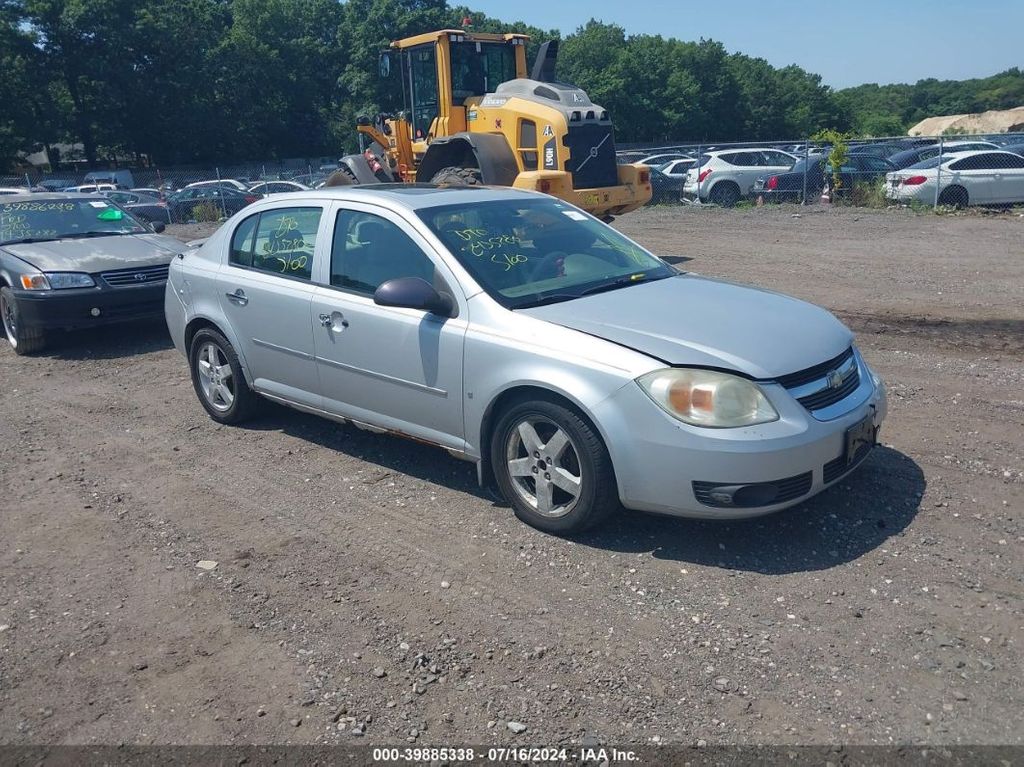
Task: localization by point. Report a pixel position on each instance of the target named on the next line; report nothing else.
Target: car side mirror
(413, 293)
(158, 226)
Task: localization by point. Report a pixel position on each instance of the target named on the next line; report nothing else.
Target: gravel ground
(365, 590)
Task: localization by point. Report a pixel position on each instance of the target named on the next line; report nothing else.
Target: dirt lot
(367, 591)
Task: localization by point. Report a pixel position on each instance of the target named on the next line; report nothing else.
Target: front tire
(553, 468)
(218, 379)
(23, 339)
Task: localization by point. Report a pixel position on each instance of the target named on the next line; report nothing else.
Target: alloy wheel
(544, 466)
(216, 378)
(10, 321)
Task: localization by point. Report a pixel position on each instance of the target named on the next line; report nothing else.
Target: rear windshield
(931, 162)
(35, 220)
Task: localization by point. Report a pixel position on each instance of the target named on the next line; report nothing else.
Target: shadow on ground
(850, 519)
(847, 521)
(111, 342)
(391, 454)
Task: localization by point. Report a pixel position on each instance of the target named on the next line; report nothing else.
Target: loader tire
(455, 176)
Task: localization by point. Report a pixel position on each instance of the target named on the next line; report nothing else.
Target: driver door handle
(238, 297)
(328, 321)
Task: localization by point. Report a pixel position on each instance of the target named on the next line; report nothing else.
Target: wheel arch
(523, 392)
(489, 152)
(724, 182)
(197, 323)
(963, 196)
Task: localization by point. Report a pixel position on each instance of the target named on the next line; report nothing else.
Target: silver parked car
(578, 371)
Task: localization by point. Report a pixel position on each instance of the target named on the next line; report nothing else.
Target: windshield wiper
(25, 240)
(621, 282)
(554, 298)
(83, 235)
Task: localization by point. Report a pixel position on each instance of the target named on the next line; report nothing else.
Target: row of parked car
(967, 172)
(168, 205)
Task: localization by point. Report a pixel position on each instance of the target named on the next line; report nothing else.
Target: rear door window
(242, 242)
(285, 241)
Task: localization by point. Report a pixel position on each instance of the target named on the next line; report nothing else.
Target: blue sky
(883, 41)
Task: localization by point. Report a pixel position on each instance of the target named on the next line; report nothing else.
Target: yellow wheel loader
(473, 116)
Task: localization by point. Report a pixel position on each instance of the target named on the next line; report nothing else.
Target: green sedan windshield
(526, 252)
(54, 219)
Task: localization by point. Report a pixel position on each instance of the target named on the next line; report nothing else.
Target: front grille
(144, 276)
(816, 387)
(802, 377)
(755, 494)
(591, 155)
(827, 397)
(836, 468)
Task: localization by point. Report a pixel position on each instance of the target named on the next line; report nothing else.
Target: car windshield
(59, 219)
(528, 252)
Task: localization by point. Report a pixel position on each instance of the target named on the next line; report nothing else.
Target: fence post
(696, 172)
(28, 183)
(938, 174)
(223, 210)
(807, 160)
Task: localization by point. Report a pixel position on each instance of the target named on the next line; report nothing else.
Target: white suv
(727, 175)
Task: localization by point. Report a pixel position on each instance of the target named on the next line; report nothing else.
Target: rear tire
(725, 193)
(955, 196)
(553, 468)
(23, 340)
(455, 176)
(218, 379)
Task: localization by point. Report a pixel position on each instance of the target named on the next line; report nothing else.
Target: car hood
(696, 321)
(98, 254)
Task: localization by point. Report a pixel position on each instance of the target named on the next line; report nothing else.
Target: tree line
(184, 81)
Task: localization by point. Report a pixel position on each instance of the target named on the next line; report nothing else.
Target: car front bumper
(661, 464)
(89, 307)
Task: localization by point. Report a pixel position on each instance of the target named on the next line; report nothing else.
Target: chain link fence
(921, 170)
(180, 195)
(900, 170)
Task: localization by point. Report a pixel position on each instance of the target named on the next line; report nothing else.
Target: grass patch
(206, 212)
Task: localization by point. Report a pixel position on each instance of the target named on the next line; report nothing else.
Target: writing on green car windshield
(54, 220)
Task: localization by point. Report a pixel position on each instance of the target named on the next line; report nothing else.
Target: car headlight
(708, 398)
(64, 280)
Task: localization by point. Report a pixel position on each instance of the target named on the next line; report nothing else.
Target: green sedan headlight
(65, 280)
(708, 397)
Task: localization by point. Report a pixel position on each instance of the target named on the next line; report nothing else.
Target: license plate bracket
(860, 438)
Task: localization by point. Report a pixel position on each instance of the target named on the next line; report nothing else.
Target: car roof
(409, 196)
(975, 152)
(716, 152)
(39, 196)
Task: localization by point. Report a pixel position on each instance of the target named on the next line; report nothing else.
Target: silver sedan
(580, 373)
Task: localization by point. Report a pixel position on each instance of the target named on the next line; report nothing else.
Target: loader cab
(440, 71)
